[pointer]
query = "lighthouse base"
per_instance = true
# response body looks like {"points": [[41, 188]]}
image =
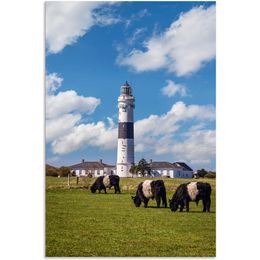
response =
{"points": [[122, 169]]}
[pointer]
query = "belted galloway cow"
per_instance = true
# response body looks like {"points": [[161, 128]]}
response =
{"points": [[104, 182], [149, 190], [192, 191]]}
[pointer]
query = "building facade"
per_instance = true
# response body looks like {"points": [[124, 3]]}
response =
{"points": [[125, 146], [95, 168], [170, 170]]}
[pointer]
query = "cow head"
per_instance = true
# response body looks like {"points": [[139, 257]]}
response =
{"points": [[173, 205], [136, 200], [93, 188]]}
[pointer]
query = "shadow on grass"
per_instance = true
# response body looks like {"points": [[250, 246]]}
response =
{"points": [[107, 194], [191, 212], [183, 212], [155, 207]]}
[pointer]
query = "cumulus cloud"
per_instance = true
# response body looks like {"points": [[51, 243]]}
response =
{"points": [[67, 21], [92, 134], [171, 89], [156, 134], [198, 147], [52, 81], [182, 48], [60, 126], [64, 110], [68, 102]]}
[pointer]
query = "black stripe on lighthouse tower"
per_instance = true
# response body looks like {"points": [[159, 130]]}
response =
{"points": [[126, 130]]}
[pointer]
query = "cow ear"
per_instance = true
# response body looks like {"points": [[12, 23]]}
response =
{"points": [[133, 197]]}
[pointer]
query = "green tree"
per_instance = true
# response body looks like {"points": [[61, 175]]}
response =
{"points": [[51, 171], [211, 175], [143, 167], [133, 169], [64, 171], [202, 173]]}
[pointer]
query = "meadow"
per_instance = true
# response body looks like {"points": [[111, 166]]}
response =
{"points": [[79, 223]]}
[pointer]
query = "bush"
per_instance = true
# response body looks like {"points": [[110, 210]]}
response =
{"points": [[211, 175], [64, 171], [201, 173], [51, 171]]}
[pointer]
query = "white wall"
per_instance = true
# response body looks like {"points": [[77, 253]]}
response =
{"points": [[172, 173], [179, 173]]}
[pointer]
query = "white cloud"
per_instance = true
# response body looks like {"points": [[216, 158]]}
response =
{"points": [[199, 147], [60, 126], [67, 21], [64, 110], [69, 102], [136, 16], [137, 33], [142, 13], [104, 16], [183, 48], [95, 135], [52, 82], [156, 134], [171, 89]]}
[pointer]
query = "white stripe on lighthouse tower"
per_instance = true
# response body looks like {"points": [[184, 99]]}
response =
{"points": [[125, 148]]}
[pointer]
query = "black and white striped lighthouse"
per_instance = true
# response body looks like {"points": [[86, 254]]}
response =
{"points": [[125, 148]]}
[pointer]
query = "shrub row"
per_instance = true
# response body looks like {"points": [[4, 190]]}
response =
{"points": [[55, 172]]}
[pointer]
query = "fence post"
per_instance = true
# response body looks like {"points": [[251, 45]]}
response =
{"points": [[69, 181]]}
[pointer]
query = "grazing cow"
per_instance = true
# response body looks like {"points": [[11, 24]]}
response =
{"points": [[192, 191], [149, 190], [104, 182]]}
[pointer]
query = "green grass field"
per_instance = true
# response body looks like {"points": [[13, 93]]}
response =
{"points": [[79, 223]]}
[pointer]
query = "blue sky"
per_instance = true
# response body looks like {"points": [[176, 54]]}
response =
{"points": [[166, 50]]}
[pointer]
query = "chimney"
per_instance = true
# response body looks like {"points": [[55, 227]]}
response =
{"points": [[82, 161], [100, 161]]}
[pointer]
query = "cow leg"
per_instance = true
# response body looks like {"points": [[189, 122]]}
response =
{"points": [[204, 202], [146, 202], [118, 188], [187, 205], [208, 204], [158, 201], [164, 200], [182, 206], [105, 190]]}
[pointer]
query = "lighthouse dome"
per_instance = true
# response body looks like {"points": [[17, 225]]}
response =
{"points": [[126, 89]]}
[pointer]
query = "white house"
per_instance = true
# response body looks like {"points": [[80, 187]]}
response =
{"points": [[96, 168], [182, 170], [170, 170]]}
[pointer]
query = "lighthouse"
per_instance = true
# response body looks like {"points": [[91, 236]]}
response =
{"points": [[125, 147]]}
